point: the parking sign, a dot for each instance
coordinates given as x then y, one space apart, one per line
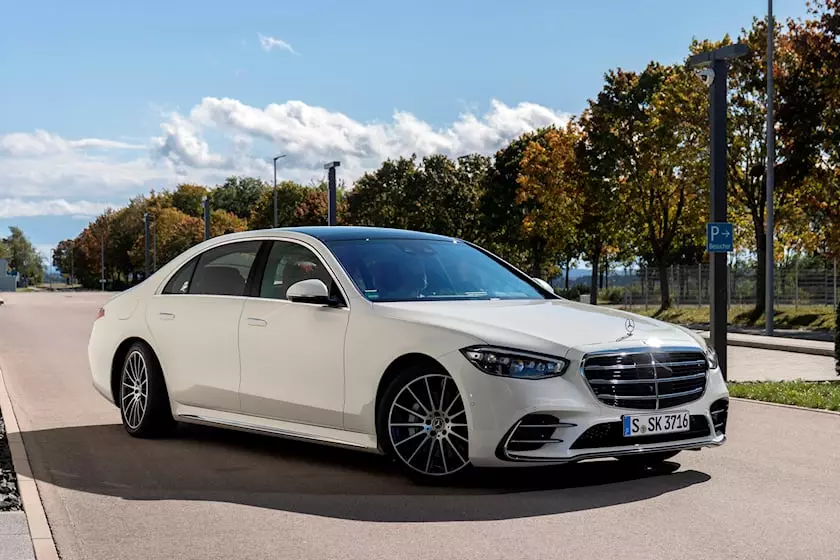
719 237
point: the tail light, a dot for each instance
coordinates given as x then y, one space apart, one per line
100 313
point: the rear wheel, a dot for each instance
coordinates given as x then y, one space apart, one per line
423 425
144 402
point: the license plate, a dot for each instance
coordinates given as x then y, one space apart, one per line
652 424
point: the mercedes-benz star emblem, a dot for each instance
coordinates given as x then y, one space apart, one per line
630 325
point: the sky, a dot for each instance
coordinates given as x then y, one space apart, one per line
102 101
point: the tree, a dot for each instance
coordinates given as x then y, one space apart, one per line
501 217
238 195
23 257
290 212
223 222
549 188
378 197
187 198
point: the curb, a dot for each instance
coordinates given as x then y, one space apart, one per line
791 406
43 543
780 346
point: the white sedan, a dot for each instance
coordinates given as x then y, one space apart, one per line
423 347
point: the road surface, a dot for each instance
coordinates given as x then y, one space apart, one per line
771 492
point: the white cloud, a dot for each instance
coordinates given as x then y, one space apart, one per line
270 43
19 208
42 142
220 136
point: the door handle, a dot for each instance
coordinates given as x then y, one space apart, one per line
166 316
257 322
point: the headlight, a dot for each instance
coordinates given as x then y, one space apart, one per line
513 363
711 357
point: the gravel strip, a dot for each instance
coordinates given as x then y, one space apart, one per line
9 494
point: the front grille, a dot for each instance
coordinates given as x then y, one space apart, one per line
611 434
652 380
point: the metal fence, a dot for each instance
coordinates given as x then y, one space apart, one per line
815 285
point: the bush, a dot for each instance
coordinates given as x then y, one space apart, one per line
572 293
614 295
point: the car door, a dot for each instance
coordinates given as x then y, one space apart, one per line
194 322
292 353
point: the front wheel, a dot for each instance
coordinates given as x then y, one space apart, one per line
423 425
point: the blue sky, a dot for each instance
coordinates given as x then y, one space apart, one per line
100 101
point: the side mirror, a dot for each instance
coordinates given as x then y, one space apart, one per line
544 284
308 291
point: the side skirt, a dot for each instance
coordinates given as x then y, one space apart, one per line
277 428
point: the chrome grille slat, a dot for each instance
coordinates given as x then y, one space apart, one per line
651 397
655 380
646 378
648 366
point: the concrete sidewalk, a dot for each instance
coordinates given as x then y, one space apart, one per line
798 345
15 543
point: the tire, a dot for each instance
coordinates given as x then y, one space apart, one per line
422 424
648 459
144 414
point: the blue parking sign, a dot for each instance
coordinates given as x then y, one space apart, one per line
719 237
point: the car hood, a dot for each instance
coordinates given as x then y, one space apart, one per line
544 324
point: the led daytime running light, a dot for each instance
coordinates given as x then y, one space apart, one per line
514 364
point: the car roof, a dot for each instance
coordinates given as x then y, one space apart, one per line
347 233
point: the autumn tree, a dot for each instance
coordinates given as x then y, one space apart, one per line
549 196
297 205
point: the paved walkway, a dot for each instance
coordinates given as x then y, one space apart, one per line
15 543
797 345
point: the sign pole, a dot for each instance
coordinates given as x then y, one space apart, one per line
713 67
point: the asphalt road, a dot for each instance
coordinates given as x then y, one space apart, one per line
772 492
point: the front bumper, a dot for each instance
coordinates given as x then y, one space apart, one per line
577 426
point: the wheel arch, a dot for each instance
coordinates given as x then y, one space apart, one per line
391 372
118 359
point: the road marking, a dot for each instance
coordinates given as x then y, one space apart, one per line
39 529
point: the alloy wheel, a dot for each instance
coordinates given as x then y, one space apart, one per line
427 425
135 389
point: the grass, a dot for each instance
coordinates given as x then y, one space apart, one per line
810 394
810 318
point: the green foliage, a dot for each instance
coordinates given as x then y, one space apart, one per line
810 394
22 256
238 195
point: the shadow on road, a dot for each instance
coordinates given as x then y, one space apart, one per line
211 464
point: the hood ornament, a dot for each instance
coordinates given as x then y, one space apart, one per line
629 326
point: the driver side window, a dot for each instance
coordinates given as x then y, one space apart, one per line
288 264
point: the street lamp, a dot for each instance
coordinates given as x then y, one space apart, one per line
275 186
771 163
712 67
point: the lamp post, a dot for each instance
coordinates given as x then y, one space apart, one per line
154 246
205 202
713 66
771 163
275 186
146 243
331 217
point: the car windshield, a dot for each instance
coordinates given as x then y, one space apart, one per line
422 270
